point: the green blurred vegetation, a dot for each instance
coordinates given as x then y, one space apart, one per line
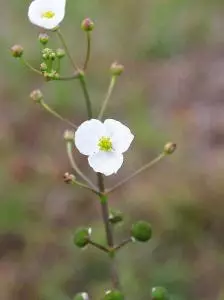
172 89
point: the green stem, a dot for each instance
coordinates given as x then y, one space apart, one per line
138 172
28 65
122 244
86 96
108 230
76 168
106 101
54 113
88 35
98 246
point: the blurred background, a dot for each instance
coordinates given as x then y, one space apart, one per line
172 90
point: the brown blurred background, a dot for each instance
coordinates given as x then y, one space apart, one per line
172 89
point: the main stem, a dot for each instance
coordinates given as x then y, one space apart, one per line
108 230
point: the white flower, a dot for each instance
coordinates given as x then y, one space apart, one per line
104 144
47 14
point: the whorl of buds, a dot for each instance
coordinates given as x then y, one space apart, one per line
48 53
169 148
43 38
53 75
81 296
113 295
87 24
141 231
116 69
81 237
160 293
115 216
69 178
36 96
17 51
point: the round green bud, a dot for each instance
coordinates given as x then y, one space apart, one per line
43 67
43 38
116 69
115 216
87 24
169 148
69 136
160 293
48 53
81 237
141 231
36 96
17 51
81 296
60 53
113 295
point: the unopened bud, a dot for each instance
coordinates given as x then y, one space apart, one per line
116 69
43 38
53 75
160 293
60 53
69 136
43 67
17 51
48 53
36 96
69 178
169 148
87 24
81 296
81 237
141 231
113 295
115 216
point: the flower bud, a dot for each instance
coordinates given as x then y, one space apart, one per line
69 178
69 136
48 53
115 216
36 96
116 69
169 148
87 24
43 38
141 231
113 295
81 237
160 293
81 296
43 67
53 75
60 53
17 51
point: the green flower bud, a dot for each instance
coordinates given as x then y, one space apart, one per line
48 53
169 148
115 216
17 51
53 75
81 296
43 67
141 231
116 69
87 24
69 178
113 295
60 53
160 293
43 38
81 237
69 136
36 96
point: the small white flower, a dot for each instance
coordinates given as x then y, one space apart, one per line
104 144
47 14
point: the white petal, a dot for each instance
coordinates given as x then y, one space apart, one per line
87 136
120 134
106 163
38 7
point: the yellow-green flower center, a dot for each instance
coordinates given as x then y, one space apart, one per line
105 144
48 14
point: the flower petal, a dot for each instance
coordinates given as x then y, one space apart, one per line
38 7
120 134
106 163
87 136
